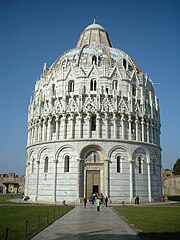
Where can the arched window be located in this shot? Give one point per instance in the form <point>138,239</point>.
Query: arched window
<point>53,89</point>
<point>93,85</point>
<point>71,86</point>
<point>46,164</point>
<point>53,125</point>
<point>124,63</point>
<point>133,90</point>
<point>93,123</point>
<point>66,164</point>
<point>114,85</point>
<point>119,164</point>
<point>140,165</point>
<point>94,59</point>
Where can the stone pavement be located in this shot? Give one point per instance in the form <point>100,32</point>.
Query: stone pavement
<point>88,224</point>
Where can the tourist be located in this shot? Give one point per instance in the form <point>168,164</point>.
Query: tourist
<point>85,201</point>
<point>166,199</point>
<point>91,201</point>
<point>98,203</point>
<point>137,200</point>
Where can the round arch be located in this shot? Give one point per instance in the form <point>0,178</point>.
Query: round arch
<point>92,148</point>
<point>62,148</point>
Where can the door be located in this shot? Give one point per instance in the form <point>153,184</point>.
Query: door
<point>92,182</point>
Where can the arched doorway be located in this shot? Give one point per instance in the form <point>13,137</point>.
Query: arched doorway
<point>94,171</point>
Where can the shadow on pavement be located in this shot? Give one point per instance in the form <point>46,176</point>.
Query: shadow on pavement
<point>160,236</point>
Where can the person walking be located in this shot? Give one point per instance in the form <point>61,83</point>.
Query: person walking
<point>91,201</point>
<point>85,201</point>
<point>98,203</point>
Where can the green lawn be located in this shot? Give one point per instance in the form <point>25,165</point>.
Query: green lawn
<point>154,222</point>
<point>25,220</point>
<point>5,197</point>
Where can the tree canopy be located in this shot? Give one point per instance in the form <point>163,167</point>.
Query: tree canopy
<point>176,168</point>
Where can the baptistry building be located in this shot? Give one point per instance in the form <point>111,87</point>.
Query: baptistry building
<point>93,127</point>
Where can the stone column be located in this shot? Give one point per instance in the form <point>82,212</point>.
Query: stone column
<point>98,126</point>
<point>149,180</point>
<point>40,132</point>
<point>142,129</point>
<point>89,126</point>
<point>72,126</point>
<point>44,130</point>
<point>49,129</point>
<point>29,135</point>
<point>27,179</point>
<point>147,132</point>
<point>130,127</point>
<point>106,119</point>
<point>151,132</point>
<point>137,129</point>
<point>57,127</point>
<point>122,123</point>
<point>36,132</point>
<point>55,178</point>
<point>131,179</point>
<point>79,177</point>
<point>37,180</point>
<point>106,177</point>
<point>64,126</point>
<point>155,134</point>
<point>32,134</point>
<point>80,126</point>
<point>85,181</point>
<point>115,127</point>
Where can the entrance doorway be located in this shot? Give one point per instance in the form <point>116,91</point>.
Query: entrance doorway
<point>95,188</point>
<point>92,182</point>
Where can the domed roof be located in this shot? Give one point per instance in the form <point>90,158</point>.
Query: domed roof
<point>94,46</point>
<point>94,33</point>
<point>94,25</point>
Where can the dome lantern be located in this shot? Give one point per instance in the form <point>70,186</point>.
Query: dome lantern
<point>94,33</point>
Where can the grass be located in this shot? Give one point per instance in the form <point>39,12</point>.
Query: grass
<point>153,222</point>
<point>5,197</point>
<point>24,221</point>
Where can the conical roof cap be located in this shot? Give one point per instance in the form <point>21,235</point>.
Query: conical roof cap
<point>95,34</point>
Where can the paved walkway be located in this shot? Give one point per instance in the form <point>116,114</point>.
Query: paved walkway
<point>88,224</point>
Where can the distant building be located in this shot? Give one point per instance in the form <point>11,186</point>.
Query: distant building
<point>93,126</point>
<point>167,173</point>
<point>11,183</point>
<point>171,183</point>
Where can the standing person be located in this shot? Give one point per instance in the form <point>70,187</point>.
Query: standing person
<point>137,200</point>
<point>98,203</point>
<point>106,201</point>
<point>91,201</point>
<point>85,201</point>
<point>166,199</point>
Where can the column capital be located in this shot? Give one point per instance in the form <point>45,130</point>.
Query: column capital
<point>131,161</point>
<point>55,161</point>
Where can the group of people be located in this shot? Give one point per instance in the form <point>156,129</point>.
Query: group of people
<point>96,198</point>
<point>164,199</point>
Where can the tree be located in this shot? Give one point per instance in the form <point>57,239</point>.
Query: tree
<point>176,168</point>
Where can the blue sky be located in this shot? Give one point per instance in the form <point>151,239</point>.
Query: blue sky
<point>36,31</point>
